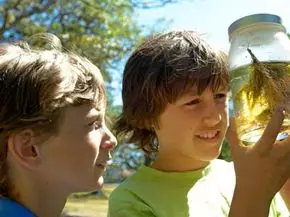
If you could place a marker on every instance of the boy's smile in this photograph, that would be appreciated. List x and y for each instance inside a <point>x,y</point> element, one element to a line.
<point>211,136</point>
<point>192,129</point>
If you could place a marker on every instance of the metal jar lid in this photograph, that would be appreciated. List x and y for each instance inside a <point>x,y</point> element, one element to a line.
<point>252,19</point>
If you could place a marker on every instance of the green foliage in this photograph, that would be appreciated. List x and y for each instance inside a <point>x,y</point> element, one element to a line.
<point>226,152</point>
<point>102,30</point>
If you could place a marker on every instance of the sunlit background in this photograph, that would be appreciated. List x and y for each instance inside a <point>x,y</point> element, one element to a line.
<point>106,31</point>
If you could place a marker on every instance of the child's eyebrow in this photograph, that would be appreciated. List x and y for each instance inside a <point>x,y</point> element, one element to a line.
<point>227,89</point>
<point>223,88</point>
<point>94,118</point>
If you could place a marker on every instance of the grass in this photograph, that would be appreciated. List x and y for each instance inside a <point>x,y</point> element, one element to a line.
<point>81,205</point>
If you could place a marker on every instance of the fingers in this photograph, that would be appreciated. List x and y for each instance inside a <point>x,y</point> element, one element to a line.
<point>272,130</point>
<point>283,147</point>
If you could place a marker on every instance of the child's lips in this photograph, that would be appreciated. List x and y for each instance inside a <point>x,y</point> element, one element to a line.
<point>101,166</point>
<point>210,136</point>
<point>104,164</point>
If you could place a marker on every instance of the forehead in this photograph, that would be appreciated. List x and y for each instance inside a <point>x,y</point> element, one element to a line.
<point>81,113</point>
<point>195,90</point>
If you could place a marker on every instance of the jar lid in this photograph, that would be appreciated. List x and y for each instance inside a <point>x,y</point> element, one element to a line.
<point>252,19</point>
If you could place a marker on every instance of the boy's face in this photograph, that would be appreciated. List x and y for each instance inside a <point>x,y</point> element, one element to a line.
<point>76,157</point>
<point>194,127</point>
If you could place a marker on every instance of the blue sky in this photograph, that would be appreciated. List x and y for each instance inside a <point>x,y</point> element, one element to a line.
<point>211,17</point>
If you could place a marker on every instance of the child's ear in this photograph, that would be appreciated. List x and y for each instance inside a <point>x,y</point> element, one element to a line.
<point>24,148</point>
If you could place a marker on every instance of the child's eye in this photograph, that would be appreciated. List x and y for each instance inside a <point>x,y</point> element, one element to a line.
<point>193,102</point>
<point>220,95</point>
<point>95,124</point>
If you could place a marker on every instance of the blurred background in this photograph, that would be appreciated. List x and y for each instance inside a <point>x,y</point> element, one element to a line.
<point>106,32</point>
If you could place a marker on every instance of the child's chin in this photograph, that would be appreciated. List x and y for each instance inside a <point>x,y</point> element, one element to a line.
<point>212,156</point>
<point>99,184</point>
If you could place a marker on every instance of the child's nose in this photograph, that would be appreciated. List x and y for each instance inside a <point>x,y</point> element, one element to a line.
<point>110,143</point>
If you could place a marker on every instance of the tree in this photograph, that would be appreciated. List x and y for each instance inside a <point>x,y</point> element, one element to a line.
<point>103,30</point>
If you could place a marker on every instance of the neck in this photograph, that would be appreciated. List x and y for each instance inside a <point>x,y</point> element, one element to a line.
<point>42,200</point>
<point>170,162</point>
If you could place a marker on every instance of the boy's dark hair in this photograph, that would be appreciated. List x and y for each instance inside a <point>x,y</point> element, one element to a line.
<point>162,69</point>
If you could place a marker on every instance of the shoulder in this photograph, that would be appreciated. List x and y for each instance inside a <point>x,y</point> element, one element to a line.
<point>127,202</point>
<point>222,164</point>
<point>219,182</point>
<point>9,208</point>
<point>221,174</point>
<point>222,170</point>
<point>128,197</point>
<point>127,190</point>
<point>212,194</point>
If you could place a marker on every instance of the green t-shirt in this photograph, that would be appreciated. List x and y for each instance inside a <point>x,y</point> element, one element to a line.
<point>206,192</point>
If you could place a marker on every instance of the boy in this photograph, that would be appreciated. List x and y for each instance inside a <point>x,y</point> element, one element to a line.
<point>53,137</point>
<point>175,89</point>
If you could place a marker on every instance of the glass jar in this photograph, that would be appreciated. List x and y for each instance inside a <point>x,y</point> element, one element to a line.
<point>259,63</point>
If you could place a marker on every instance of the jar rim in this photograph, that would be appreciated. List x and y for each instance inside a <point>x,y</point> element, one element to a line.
<point>254,19</point>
